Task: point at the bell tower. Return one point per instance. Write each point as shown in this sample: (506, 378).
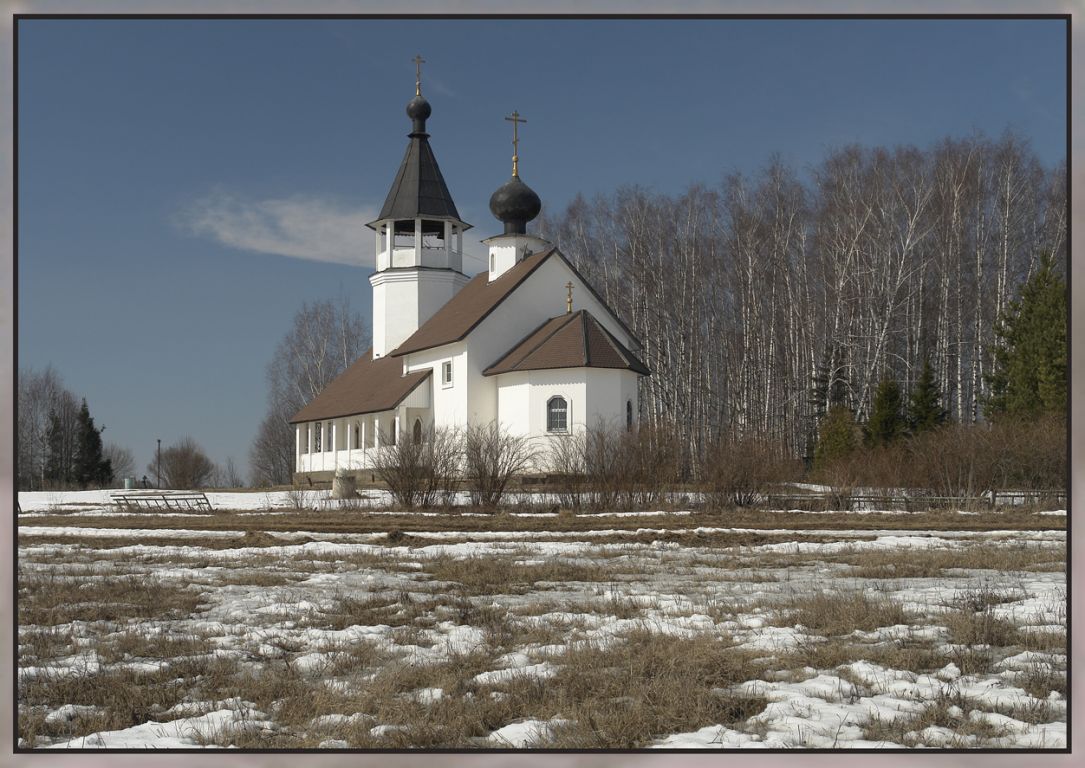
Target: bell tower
(419, 237)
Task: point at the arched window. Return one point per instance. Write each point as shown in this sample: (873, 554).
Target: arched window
(417, 432)
(628, 415)
(557, 414)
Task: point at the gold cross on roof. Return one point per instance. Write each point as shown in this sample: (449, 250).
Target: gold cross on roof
(515, 119)
(418, 62)
(569, 298)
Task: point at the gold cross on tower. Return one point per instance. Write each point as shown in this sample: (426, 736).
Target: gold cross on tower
(515, 119)
(569, 298)
(418, 62)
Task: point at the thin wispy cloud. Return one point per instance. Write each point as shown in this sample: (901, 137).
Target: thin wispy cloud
(298, 227)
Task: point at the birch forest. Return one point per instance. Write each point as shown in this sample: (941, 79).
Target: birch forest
(757, 298)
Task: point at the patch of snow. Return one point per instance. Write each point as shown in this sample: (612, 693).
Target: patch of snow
(178, 734)
(541, 670)
(524, 733)
(68, 712)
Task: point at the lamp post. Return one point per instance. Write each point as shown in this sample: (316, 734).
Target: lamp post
(158, 471)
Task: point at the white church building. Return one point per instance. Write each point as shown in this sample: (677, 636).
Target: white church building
(528, 343)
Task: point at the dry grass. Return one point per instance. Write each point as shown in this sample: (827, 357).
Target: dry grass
(940, 713)
(47, 599)
(932, 563)
(841, 613)
(487, 575)
(647, 686)
(350, 521)
(125, 697)
(917, 656)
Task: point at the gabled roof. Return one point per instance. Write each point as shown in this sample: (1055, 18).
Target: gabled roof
(469, 306)
(574, 340)
(479, 298)
(419, 189)
(367, 386)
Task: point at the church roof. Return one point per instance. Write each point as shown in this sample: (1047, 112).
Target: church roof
(419, 189)
(367, 386)
(470, 306)
(574, 340)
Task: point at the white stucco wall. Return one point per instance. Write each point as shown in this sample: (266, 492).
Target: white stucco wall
(404, 299)
(595, 396)
(449, 402)
(540, 297)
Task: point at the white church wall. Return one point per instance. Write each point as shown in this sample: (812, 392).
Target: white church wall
(523, 395)
(540, 297)
(449, 403)
(608, 391)
(404, 299)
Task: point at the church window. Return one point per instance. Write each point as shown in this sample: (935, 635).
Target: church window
(316, 446)
(628, 415)
(491, 262)
(392, 435)
(557, 414)
(356, 445)
(417, 432)
(446, 374)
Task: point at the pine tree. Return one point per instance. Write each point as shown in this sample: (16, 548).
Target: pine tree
(886, 421)
(837, 437)
(89, 466)
(925, 410)
(1029, 371)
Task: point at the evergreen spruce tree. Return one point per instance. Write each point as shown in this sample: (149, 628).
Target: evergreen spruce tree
(886, 421)
(1028, 375)
(89, 466)
(837, 437)
(925, 410)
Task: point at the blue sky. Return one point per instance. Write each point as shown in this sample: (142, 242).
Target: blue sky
(184, 185)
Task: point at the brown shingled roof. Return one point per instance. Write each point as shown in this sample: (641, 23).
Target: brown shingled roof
(367, 386)
(575, 340)
(469, 306)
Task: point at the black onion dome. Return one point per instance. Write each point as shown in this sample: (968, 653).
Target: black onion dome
(515, 204)
(419, 110)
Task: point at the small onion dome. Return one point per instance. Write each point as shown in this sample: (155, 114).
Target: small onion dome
(418, 109)
(515, 204)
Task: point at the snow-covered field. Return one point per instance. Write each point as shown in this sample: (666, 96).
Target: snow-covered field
(358, 629)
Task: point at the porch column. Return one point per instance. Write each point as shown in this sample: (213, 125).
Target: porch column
(334, 445)
(298, 448)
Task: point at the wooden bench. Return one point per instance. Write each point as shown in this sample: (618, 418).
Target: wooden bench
(184, 501)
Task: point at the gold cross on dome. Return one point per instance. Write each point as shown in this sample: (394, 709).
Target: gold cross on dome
(418, 62)
(569, 298)
(515, 119)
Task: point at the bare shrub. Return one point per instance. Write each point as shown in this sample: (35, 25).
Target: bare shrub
(606, 467)
(738, 470)
(1031, 455)
(565, 461)
(419, 473)
(184, 465)
(491, 457)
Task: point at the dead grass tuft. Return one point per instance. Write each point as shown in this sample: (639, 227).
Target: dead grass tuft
(48, 599)
(841, 613)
